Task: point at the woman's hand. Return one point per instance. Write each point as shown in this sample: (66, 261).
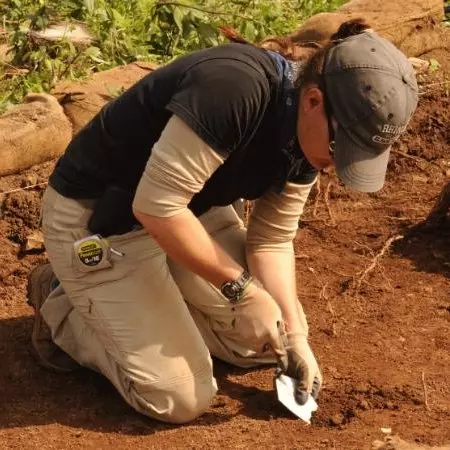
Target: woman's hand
(300, 364)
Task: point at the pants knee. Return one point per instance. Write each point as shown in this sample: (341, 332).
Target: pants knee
(179, 402)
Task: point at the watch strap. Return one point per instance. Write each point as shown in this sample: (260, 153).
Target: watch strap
(244, 279)
(234, 289)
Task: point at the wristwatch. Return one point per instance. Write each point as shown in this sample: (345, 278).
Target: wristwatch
(234, 289)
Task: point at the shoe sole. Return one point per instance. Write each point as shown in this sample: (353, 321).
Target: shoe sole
(35, 300)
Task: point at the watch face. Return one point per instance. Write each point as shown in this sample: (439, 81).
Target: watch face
(231, 290)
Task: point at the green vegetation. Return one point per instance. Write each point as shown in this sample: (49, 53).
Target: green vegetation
(126, 31)
(434, 65)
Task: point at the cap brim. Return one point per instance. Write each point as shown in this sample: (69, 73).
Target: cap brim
(357, 167)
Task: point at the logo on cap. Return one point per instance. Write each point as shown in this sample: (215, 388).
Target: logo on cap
(392, 132)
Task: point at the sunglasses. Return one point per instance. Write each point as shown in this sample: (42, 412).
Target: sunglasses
(329, 113)
(331, 130)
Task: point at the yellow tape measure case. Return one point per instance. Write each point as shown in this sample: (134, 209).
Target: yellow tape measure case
(92, 253)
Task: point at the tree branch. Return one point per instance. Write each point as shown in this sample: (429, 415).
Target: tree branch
(208, 11)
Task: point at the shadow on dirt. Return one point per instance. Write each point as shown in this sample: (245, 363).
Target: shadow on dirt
(428, 246)
(85, 400)
(253, 402)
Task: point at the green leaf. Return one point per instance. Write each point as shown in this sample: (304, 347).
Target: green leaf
(250, 31)
(178, 17)
(94, 53)
(48, 65)
(434, 65)
(118, 18)
(90, 5)
(72, 48)
(208, 32)
(114, 91)
(196, 14)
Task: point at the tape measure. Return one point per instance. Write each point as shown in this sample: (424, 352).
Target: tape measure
(92, 253)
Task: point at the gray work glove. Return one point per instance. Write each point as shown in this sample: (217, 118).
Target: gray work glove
(258, 320)
(300, 363)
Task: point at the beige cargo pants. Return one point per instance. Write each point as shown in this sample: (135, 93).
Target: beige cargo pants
(146, 323)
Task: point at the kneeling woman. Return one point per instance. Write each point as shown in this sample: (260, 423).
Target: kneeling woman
(157, 271)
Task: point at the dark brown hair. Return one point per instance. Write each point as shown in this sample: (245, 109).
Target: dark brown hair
(284, 45)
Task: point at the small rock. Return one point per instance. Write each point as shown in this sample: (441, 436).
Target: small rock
(75, 33)
(362, 388)
(428, 289)
(364, 404)
(419, 65)
(389, 405)
(34, 242)
(419, 178)
(337, 419)
(220, 402)
(29, 180)
(333, 372)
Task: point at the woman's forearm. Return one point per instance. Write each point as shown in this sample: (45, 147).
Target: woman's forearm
(186, 241)
(276, 271)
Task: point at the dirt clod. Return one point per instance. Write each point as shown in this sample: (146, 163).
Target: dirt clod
(337, 419)
(364, 404)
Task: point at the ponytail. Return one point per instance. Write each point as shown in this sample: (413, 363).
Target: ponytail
(232, 35)
(284, 45)
(350, 28)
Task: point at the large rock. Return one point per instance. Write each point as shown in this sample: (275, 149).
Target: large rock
(76, 33)
(33, 132)
(416, 33)
(412, 25)
(83, 99)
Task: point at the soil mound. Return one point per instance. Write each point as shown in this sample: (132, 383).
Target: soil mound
(32, 133)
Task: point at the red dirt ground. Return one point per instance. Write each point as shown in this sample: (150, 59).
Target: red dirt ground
(379, 345)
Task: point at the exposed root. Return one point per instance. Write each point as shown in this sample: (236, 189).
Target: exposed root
(324, 296)
(375, 261)
(316, 201)
(301, 256)
(425, 392)
(24, 188)
(326, 198)
(417, 159)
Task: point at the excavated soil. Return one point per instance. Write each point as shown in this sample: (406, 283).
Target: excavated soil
(382, 338)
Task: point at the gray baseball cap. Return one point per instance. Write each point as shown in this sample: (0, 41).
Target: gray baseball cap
(372, 92)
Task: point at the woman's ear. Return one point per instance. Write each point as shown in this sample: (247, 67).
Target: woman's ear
(311, 99)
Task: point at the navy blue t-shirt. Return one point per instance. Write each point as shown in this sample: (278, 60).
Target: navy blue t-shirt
(231, 96)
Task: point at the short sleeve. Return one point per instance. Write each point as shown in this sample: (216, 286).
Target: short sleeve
(223, 100)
